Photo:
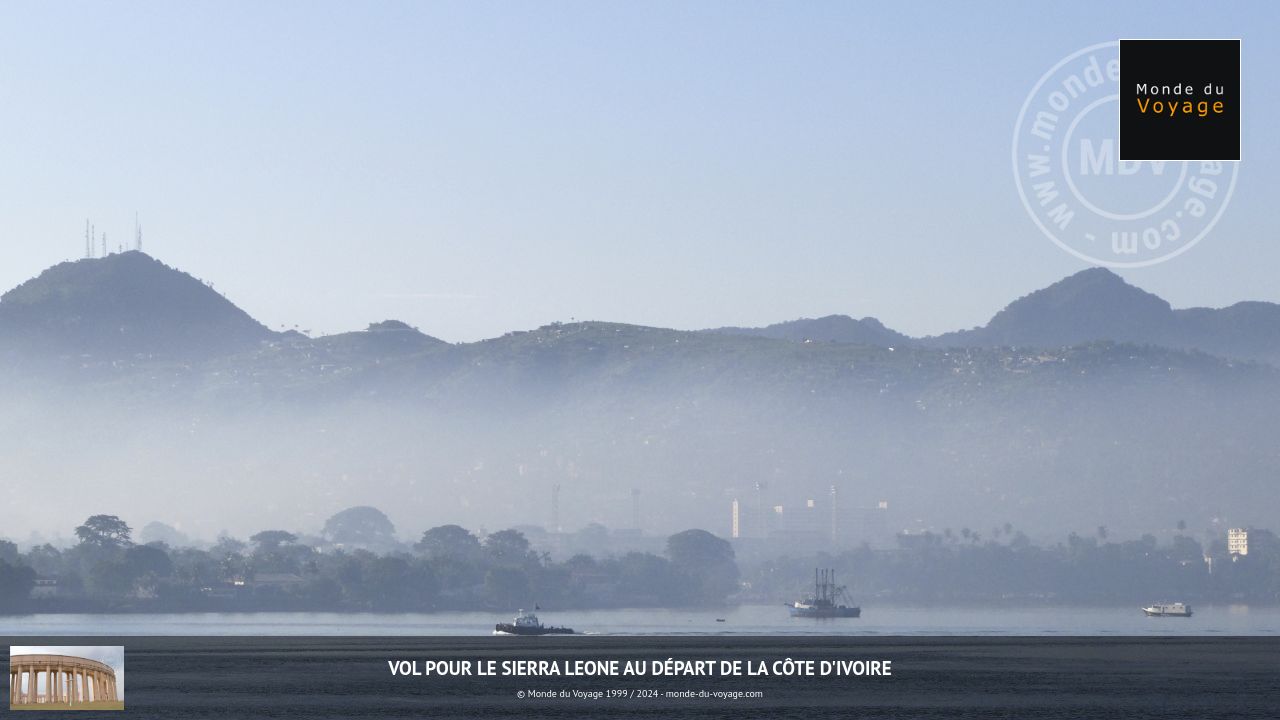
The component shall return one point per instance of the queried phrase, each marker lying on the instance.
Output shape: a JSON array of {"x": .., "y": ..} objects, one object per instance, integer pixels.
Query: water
[{"x": 743, "y": 620}]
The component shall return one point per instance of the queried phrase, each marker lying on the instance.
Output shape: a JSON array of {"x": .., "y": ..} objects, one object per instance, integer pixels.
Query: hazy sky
[{"x": 473, "y": 168}]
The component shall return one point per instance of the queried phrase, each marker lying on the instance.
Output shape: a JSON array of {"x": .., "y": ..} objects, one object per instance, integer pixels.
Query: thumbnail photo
[{"x": 54, "y": 677}]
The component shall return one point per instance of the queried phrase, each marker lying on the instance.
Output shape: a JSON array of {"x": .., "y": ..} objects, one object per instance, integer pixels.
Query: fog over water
[{"x": 741, "y": 620}]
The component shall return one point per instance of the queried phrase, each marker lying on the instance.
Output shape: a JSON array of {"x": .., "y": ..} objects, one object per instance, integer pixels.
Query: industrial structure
[{"x": 91, "y": 238}]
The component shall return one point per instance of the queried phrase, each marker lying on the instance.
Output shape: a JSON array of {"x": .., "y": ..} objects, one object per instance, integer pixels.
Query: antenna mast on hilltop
[
  {"x": 88, "y": 240},
  {"x": 137, "y": 233}
]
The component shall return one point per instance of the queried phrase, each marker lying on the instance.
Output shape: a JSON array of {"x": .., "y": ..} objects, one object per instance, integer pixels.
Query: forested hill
[{"x": 257, "y": 424}]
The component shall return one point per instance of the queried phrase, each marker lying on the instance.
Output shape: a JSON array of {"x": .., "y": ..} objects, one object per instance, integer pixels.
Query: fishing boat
[{"x": 827, "y": 601}]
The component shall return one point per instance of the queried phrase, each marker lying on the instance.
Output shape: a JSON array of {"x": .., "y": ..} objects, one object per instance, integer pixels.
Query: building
[
  {"x": 1238, "y": 541},
  {"x": 44, "y": 588}
]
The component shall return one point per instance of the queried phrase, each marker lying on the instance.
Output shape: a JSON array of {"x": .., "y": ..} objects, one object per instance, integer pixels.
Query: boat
[
  {"x": 526, "y": 623},
  {"x": 1167, "y": 610},
  {"x": 827, "y": 601}
]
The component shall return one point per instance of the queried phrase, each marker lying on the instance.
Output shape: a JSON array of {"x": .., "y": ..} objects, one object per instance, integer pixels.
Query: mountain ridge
[
  {"x": 264, "y": 424},
  {"x": 129, "y": 304},
  {"x": 1092, "y": 305}
]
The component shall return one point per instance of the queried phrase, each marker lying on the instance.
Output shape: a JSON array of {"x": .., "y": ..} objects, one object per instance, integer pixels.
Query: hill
[
  {"x": 1098, "y": 305},
  {"x": 258, "y": 430},
  {"x": 1094, "y": 305},
  {"x": 831, "y": 328},
  {"x": 122, "y": 306}
]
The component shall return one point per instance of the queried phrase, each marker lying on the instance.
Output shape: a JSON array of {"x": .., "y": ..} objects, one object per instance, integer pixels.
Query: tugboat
[
  {"x": 825, "y": 600},
  {"x": 1168, "y": 610},
  {"x": 526, "y": 623}
]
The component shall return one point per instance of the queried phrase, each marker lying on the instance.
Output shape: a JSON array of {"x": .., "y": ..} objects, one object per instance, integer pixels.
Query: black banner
[{"x": 695, "y": 677}]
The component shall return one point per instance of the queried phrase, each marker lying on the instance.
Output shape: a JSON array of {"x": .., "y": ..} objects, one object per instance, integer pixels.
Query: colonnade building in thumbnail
[{"x": 60, "y": 680}]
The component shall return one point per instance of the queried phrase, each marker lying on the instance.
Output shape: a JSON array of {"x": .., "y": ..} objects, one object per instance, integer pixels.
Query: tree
[
  {"x": 45, "y": 559},
  {"x": 362, "y": 526},
  {"x": 508, "y": 547},
  {"x": 156, "y": 531},
  {"x": 109, "y": 578},
  {"x": 277, "y": 551},
  {"x": 707, "y": 563},
  {"x": 105, "y": 531},
  {"x": 227, "y": 545},
  {"x": 147, "y": 562},
  {"x": 646, "y": 579},
  {"x": 8, "y": 552},
  {"x": 448, "y": 541},
  {"x": 698, "y": 548},
  {"x": 1186, "y": 549},
  {"x": 16, "y": 582},
  {"x": 270, "y": 540},
  {"x": 195, "y": 567},
  {"x": 396, "y": 583},
  {"x": 507, "y": 587},
  {"x": 582, "y": 563}
]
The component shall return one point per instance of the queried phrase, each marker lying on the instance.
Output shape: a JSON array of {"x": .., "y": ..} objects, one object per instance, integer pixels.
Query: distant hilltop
[
  {"x": 124, "y": 304},
  {"x": 127, "y": 304},
  {"x": 1092, "y": 305}
]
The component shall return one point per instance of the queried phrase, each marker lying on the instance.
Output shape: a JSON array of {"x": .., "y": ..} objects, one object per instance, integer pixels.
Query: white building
[{"x": 1238, "y": 541}]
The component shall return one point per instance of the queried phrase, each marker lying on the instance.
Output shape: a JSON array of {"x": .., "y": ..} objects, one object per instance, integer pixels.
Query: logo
[
  {"x": 1082, "y": 196},
  {"x": 1180, "y": 99}
]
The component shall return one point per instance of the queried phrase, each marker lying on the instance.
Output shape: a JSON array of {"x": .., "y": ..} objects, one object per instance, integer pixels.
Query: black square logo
[{"x": 1179, "y": 99}]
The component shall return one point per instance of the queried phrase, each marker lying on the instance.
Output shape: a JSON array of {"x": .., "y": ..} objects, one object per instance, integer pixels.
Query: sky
[
  {"x": 112, "y": 655},
  {"x": 474, "y": 168}
]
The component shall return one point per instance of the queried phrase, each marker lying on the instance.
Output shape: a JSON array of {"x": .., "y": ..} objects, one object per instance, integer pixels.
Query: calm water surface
[{"x": 742, "y": 620}]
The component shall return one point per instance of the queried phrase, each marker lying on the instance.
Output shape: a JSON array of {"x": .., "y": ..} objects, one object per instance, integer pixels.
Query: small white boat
[{"x": 1168, "y": 610}]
